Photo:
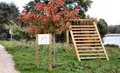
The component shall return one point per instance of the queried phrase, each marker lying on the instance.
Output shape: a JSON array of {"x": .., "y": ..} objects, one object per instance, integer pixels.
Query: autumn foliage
[{"x": 47, "y": 19}]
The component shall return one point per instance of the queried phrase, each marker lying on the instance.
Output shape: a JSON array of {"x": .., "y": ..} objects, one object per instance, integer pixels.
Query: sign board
[
  {"x": 10, "y": 32},
  {"x": 43, "y": 39}
]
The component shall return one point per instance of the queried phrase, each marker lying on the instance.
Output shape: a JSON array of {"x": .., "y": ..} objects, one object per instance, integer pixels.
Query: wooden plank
[
  {"x": 101, "y": 40},
  {"x": 88, "y": 41},
  {"x": 91, "y": 57},
  {"x": 50, "y": 52},
  {"x": 92, "y": 54},
  {"x": 84, "y": 31},
  {"x": 86, "y": 35},
  {"x": 82, "y": 20},
  {"x": 67, "y": 42},
  {"x": 90, "y": 50},
  {"x": 86, "y": 44},
  {"x": 88, "y": 38},
  {"x": 88, "y": 47},
  {"x": 82, "y": 26},
  {"x": 37, "y": 51},
  {"x": 75, "y": 46},
  {"x": 96, "y": 21}
]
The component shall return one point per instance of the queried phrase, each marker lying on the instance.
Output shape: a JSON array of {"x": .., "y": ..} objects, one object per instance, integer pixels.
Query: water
[{"x": 112, "y": 40}]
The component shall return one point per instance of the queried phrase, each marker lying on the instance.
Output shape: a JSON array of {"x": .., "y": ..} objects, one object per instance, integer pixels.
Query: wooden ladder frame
[{"x": 67, "y": 34}]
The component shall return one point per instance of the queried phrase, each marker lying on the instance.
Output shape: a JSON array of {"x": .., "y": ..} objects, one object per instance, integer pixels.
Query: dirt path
[{"x": 6, "y": 63}]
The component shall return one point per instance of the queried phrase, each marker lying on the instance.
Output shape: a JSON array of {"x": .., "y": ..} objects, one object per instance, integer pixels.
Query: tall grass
[{"x": 24, "y": 56}]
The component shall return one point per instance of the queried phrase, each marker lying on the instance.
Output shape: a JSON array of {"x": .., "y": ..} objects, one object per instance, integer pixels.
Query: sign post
[
  {"x": 44, "y": 39},
  {"x": 37, "y": 50},
  {"x": 10, "y": 32}
]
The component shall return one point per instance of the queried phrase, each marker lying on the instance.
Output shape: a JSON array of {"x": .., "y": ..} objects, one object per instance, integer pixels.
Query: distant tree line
[
  {"x": 7, "y": 12},
  {"x": 114, "y": 29}
]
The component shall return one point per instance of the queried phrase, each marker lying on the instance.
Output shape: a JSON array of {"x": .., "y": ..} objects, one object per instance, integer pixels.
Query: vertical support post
[
  {"x": 67, "y": 42},
  {"x": 11, "y": 37},
  {"x": 50, "y": 52},
  {"x": 67, "y": 35},
  {"x": 96, "y": 33},
  {"x": 96, "y": 21},
  {"x": 37, "y": 50}
]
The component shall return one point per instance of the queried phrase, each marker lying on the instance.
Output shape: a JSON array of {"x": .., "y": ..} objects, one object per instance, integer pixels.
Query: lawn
[{"x": 24, "y": 56}]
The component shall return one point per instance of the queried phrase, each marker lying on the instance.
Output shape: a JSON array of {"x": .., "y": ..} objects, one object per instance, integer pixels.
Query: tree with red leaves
[{"x": 47, "y": 19}]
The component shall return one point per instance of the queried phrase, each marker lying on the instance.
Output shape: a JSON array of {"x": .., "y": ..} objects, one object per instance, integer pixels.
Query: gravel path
[{"x": 6, "y": 63}]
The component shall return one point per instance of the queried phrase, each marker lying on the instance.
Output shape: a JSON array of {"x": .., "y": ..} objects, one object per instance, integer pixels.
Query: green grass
[{"x": 24, "y": 56}]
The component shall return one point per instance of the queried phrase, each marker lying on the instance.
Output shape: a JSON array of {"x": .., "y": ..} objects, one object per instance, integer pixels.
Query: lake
[{"x": 112, "y": 40}]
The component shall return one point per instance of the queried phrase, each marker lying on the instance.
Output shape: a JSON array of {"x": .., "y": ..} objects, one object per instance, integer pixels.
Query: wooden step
[
  {"x": 86, "y": 44},
  {"x": 91, "y": 57},
  {"x": 84, "y": 31},
  {"x": 87, "y": 41},
  {"x": 82, "y": 26},
  {"x": 90, "y": 50},
  {"x": 85, "y": 35},
  {"x": 89, "y": 47},
  {"x": 88, "y": 38},
  {"x": 92, "y": 54}
]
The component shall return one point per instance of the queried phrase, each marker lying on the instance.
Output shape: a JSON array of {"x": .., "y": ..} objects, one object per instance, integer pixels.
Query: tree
[
  {"x": 114, "y": 29},
  {"x": 102, "y": 27},
  {"x": 48, "y": 19},
  {"x": 7, "y": 12},
  {"x": 118, "y": 29},
  {"x": 83, "y": 5},
  {"x": 19, "y": 31}
]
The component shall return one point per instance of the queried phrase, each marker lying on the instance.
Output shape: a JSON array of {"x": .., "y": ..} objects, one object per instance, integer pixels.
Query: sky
[{"x": 105, "y": 9}]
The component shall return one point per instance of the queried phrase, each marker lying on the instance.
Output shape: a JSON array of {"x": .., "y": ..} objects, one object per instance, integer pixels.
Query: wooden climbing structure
[{"x": 86, "y": 39}]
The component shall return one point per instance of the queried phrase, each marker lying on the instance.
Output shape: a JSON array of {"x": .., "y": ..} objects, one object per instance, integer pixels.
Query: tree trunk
[{"x": 54, "y": 48}]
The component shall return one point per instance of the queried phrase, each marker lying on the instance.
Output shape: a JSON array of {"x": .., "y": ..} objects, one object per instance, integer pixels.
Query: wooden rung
[
  {"x": 82, "y": 26},
  {"x": 88, "y": 38},
  {"x": 86, "y": 44},
  {"x": 92, "y": 54},
  {"x": 82, "y": 20},
  {"x": 87, "y": 41},
  {"x": 91, "y": 57},
  {"x": 86, "y": 35},
  {"x": 89, "y": 47},
  {"x": 90, "y": 50},
  {"x": 84, "y": 31}
]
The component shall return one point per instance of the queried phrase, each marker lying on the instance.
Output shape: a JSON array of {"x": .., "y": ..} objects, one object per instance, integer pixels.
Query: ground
[{"x": 6, "y": 63}]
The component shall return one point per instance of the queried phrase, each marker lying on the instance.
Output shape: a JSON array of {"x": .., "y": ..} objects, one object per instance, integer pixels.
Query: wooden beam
[
  {"x": 67, "y": 42},
  {"x": 101, "y": 41},
  {"x": 92, "y": 54},
  {"x": 96, "y": 21},
  {"x": 90, "y": 50},
  {"x": 91, "y": 57},
  {"x": 75, "y": 45},
  {"x": 50, "y": 52},
  {"x": 82, "y": 20},
  {"x": 86, "y": 26},
  {"x": 37, "y": 51}
]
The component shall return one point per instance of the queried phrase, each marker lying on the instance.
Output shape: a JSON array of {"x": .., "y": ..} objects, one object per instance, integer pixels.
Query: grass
[{"x": 24, "y": 56}]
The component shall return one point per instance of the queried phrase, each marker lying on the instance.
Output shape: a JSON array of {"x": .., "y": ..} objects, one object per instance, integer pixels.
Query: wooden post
[
  {"x": 96, "y": 21},
  {"x": 37, "y": 50},
  {"x": 50, "y": 52},
  {"x": 96, "y": 33},
  {"x": 67, "y": 42},
  {"x": 67, "y": 35}
]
